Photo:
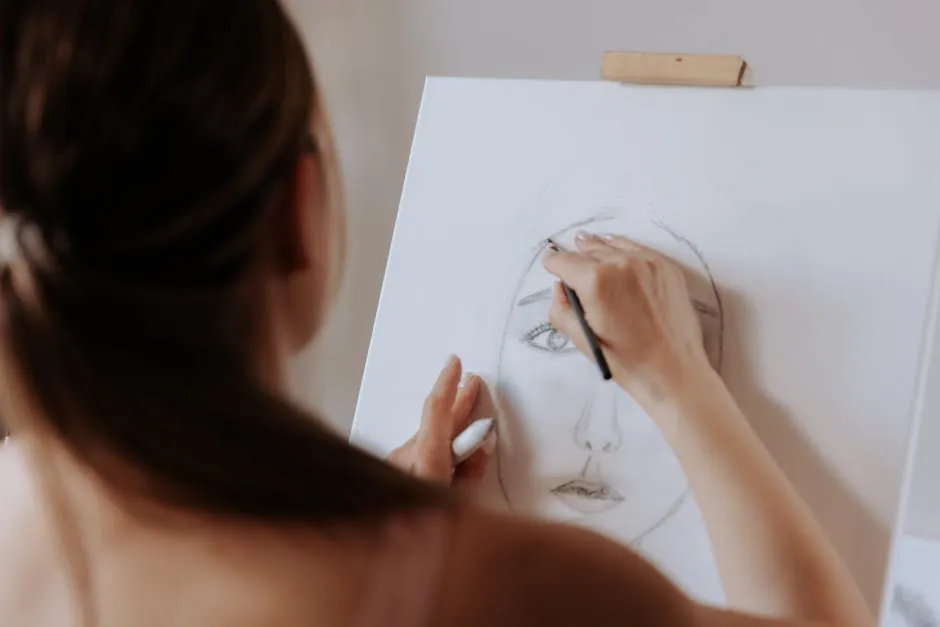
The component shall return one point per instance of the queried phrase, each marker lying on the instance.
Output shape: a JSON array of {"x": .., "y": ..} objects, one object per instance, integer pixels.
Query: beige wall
[{"x": 373, "y": 55}]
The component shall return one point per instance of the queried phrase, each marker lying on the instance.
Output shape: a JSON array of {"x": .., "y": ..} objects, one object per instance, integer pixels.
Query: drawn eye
[{"x": 544, "y": 337}]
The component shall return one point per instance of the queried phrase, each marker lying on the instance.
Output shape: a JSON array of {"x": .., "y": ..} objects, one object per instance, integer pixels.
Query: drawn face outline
[{"x": 594, "y": 493}]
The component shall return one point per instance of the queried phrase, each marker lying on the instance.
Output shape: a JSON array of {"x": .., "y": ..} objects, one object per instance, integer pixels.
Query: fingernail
[
  {"x": 582, "y": 235},
  {"x": 467, "y": 379},
  {"x": 451, "y": 361},
  {"x": 607, "y": 236}
]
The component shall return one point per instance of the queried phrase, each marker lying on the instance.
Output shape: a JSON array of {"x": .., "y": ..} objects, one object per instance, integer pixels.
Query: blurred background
[{"x": 372, "y": 57}]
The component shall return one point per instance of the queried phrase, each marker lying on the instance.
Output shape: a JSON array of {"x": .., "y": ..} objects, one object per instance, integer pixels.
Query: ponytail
[
  {"x": 167, "y": 412},
  {"x": 143, "y": 162}
]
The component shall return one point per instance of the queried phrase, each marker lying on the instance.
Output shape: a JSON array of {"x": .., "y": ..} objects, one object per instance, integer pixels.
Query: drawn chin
[{"x": 588, "y": 497}]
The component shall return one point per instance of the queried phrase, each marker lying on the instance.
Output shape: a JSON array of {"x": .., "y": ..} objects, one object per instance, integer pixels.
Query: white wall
[{"x": 372, "y": 57}]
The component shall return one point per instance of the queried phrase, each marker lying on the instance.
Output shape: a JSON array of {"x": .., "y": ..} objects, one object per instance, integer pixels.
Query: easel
[{"x": 655, "y": 68}]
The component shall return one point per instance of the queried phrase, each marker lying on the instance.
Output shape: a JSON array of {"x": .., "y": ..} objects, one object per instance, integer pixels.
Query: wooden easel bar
[{"x": 705, "y": 70}]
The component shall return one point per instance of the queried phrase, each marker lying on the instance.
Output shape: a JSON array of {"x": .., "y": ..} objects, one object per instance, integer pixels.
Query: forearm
[{"x": 771, "y": 552}]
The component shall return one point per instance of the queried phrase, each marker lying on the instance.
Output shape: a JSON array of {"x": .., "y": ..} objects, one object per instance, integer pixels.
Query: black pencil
[{"x": 588, "y": 332}]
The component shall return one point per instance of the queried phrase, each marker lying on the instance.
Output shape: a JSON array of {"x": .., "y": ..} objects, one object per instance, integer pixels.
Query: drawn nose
[{"x": 598, "y": 429}]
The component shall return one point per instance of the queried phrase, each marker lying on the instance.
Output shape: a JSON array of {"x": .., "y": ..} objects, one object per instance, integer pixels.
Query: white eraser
[{"x": 472, "y": 438}]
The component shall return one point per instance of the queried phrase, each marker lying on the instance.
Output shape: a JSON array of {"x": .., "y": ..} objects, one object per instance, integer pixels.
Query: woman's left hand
[{"x": 447, "y": 411}]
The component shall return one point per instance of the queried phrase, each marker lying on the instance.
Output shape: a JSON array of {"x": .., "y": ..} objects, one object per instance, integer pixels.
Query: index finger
[
  {"x": 438, "y": 408},
  {"x": 432, "y": 442},
  {"x": 575, "y": 269}
]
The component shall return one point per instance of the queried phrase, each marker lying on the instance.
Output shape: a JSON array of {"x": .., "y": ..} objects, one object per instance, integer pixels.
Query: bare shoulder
[
  {"x": 517, "y": 571},
  {"x": 19, "y": 502},
  {"x": 16, "y": 518},
  {"x": 25, "y": 554}
]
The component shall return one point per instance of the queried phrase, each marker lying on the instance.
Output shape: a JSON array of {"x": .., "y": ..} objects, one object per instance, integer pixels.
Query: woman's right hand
[{"x": 637, "y": 303}]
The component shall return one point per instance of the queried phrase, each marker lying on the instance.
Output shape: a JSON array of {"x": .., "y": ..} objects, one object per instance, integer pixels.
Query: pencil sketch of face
[{"x": 572, "y": 446}]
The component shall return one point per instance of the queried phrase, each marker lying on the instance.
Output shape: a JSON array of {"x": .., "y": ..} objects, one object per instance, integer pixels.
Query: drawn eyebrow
[{"x": 535, "y": 297}]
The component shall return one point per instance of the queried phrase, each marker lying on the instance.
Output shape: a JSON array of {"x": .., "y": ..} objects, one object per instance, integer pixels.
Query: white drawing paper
[
  {"x": 807, "y": 223},
  {"x": 915, "y": 600}
]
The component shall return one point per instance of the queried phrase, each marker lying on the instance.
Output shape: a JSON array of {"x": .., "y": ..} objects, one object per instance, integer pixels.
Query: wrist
[
  {"x": 701, "y": 413},
  {"x": 666, "y": 382},
  {"x": 681, "y": 388}
]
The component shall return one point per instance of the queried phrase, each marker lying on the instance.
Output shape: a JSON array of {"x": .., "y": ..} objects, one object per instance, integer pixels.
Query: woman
[{"x": 168, "y": 173}]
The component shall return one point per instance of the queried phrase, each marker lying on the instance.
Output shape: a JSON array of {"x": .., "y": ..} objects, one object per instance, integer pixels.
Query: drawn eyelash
[
  {"x": 546, "y": 338},
  {"x": 537, "y": 330}
]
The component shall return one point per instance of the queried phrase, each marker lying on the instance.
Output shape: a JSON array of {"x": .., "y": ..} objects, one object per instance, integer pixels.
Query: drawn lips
[{"x": 588, "y": 497}]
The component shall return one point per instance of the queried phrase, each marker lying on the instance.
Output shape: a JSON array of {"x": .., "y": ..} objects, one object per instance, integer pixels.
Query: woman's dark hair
[{"x": 144, "y": 148}]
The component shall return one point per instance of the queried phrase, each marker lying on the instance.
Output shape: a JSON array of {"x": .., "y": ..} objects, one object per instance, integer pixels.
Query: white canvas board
[
  {"x": 915, "y": 600},
  {"x": 815, "y": 214}
]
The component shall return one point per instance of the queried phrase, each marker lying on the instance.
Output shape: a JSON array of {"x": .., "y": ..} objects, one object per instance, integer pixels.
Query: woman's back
[
  {"x": 218, "y": 574},
  {"x": 431, "y": 567}
]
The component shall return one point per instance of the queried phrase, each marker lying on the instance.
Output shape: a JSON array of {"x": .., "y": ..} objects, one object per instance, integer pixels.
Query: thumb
[{"x": 564, "y": 320}]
